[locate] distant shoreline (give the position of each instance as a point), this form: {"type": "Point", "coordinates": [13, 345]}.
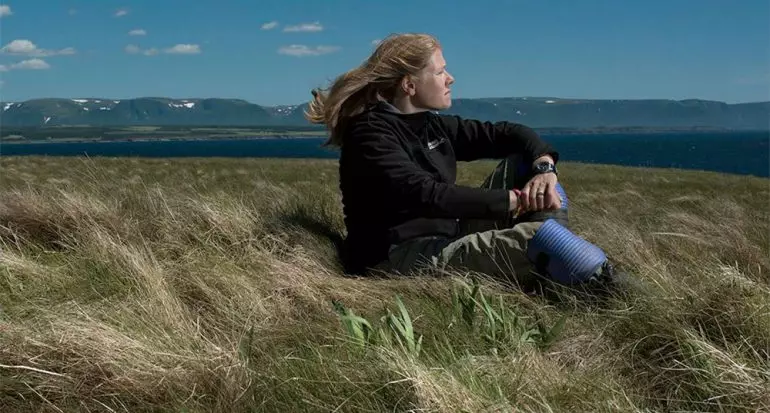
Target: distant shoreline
{"type": "Point", "coordinates": [157, 139]}
{"type": "Point", "coordinates": [153, 136]}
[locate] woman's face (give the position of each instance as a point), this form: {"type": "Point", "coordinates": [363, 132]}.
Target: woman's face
{"type": "Point", "coordinates": [430, 89]}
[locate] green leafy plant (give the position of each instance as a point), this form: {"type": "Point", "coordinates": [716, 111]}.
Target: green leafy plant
{"type": "Point", "coordinates": [501, 325]}
{"type": "Point", "coordinates": [358, 328]}
{"type": "Point", "coordinates": [401, 326]}
{"type": "Point", "coordinates": [398, 328]}
{"type": "Point", "coordinates": [464, 301]}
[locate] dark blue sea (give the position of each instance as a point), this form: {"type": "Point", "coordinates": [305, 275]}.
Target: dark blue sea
{"type": "Point", "coordinates": [746, 153]}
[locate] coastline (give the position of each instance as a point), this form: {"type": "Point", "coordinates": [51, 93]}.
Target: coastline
{"type": "Point", "coordinates": [153, 139]}
{"type": "Point", "coordinates": [262, 135]}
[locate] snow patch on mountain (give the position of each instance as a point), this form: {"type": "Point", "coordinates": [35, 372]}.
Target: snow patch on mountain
{"type": "Point", "coordinates": [188, 105]}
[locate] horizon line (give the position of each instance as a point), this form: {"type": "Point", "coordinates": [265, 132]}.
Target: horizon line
{"type": "Point", "coordinates": [523, 97]}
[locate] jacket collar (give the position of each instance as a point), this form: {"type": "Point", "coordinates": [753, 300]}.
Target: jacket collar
{"type": "Point", "coordinates": [419, 122]}
{"type": "Point", "coordinates": [416, 121]}
{"type": "Point", "coordinates": [389, 107]}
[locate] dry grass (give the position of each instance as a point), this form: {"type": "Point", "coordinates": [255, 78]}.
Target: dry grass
{"type": "Point", "coordinates": [200, 285]}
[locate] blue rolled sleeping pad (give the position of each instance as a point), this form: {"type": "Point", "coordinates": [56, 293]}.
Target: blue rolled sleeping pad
{"type": "Point", "coordinates": [563, 194]}
{"type": "Point", "coordinates": [565, 257]}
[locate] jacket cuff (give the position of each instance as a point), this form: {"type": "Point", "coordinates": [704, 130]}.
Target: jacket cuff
{"type": "Point", "coordinates": [500, 203]}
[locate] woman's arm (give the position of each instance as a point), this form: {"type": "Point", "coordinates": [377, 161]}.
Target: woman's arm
{"type": "Point", "coordinates": [385, 163]}
{"type": "Point", "coordinates": [473, 139]}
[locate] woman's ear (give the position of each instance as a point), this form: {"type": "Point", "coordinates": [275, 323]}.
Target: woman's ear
{"type": "Point", "coordinates": [407, 85]}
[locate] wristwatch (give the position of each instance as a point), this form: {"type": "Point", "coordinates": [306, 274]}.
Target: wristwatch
{"type": "Point", "coordinates": [544, 167]}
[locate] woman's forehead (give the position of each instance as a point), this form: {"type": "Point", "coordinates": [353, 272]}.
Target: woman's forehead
{"type": "Point", "coordinates": [437, 60]}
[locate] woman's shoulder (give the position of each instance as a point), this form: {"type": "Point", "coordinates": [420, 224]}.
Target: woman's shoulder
{"type": "Point", "coordinates": [370, 124]}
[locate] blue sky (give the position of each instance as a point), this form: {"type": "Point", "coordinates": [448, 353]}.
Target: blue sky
{"type": "Point", "coordinates": [673, 49]}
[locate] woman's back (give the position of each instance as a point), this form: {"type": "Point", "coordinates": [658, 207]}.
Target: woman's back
{"type": "Point", "coordinates": [380, 146]}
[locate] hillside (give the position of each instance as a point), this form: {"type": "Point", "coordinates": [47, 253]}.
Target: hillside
{"type": "Point", "coordinates": [534, 111]}
{"type": "Point", "coordinates": [209, 285]}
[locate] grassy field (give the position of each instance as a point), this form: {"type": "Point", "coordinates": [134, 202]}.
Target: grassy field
{"type": "Point", "coordinates": [212, 285]}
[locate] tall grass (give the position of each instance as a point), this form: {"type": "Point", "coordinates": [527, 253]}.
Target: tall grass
{"type": "Point", "coordinates": [213, 285]}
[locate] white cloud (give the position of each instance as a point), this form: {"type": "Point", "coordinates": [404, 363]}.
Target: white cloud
{"type": "Point", "coordinates": [134, 49]}
{"type": "Point", "coordinates": [20, 46]}
{"type": "Point", "coordinates": [5, 10]}
{"type": "Point", "coordinates": [137, 32]}
{"type": "Point", "coordinates": [25, 47]}
{"type": "Point", "coordinates": [31, 64]}
{"type": "Point", "coordinates": [121, 13]}
{"type": "Point", "coordinates": [176, 49]}
{"type": "Point", "coordinates": [270, 25]}
{"type": "Point", "coordinates": [301, 50]}
{"type": "Point", "coordinates": [304, 27]}
{"type": "Point", "coordinates": [184, 49]}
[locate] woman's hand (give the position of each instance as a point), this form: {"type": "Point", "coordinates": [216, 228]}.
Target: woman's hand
{"type": "Point", "coordinates": [540, 193]}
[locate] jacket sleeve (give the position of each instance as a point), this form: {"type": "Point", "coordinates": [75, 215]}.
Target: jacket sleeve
{"type": "Point", "coordinates": [473, 139]}
{"type": "Point", "coordinates": [407, 187]}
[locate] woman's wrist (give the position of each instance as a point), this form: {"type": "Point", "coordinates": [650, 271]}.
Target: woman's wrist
{"type": "Point", "coordinates": [513, 198]}
{"type": "Point", "coordinates": [544, 157]}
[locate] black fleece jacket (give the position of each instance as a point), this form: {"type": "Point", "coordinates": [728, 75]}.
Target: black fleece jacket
{"type": "Point", "coordinates": [398, 172]}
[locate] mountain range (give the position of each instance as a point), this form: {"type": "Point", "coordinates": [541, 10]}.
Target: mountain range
{"type": "Point", "coordinates": [541, 112]}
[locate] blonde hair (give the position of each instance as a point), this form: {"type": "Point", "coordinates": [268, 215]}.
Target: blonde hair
{"type": "Point", "coordinates": [375, 79]}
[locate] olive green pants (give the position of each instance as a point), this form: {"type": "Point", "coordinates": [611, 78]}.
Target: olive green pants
{"type": "Point", "coordinates": [493, 247]}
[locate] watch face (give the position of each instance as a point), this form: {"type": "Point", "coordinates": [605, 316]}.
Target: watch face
{"type": "Point", "coordinates": [545, 167]}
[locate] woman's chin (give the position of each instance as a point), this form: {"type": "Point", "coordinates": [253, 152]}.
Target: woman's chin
{"type": "Point", "coordinates": [442, 104]}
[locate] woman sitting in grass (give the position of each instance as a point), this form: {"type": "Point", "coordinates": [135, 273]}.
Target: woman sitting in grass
{"type": "Point", "coordinates": [404, 211]}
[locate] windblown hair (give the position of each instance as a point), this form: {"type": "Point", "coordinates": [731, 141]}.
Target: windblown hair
{"type": "Point", "coordinates": [376, 79]}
